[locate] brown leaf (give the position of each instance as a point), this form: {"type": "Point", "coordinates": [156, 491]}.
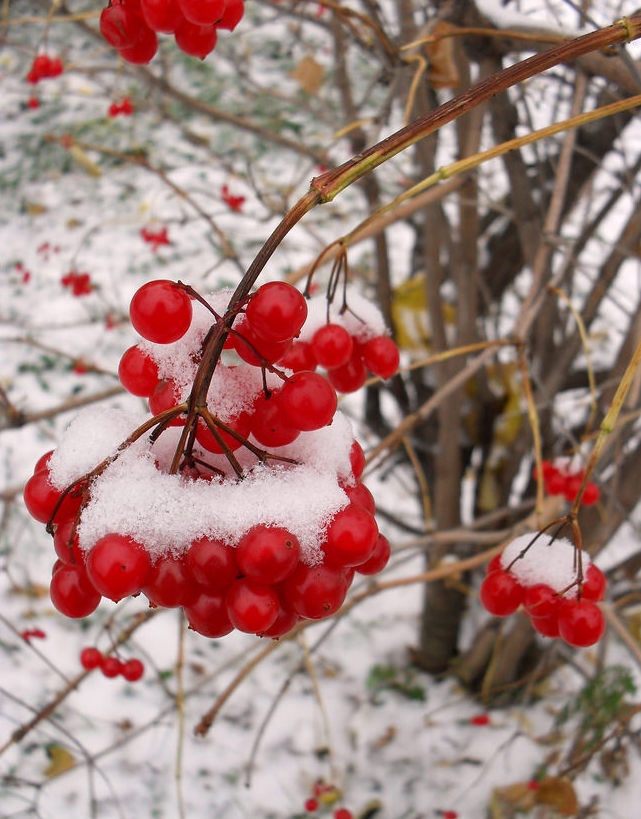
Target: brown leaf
{"type": "Point", "coordinates": [518, 796]}
{"type": "Point", "coordinates": [61, 760]}
{"type": "Point", "coordinates": [309, 75]}
{"type": "Point", "coordinates": [34, 208]}
{"type": "Point", "coordinates": [558, 793]}
{"type": "Point", "coordinates": [443, 71]}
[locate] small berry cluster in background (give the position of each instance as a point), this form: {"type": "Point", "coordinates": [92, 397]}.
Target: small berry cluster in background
{"type": "Point", "coordinates": [30, 633]}
{"type": "Point", "coordinates": [132, 670]}
{"type": "Point", "coordinates": [79, 283]}
{"type": "Point", "coordinates": [123, 108]}
{"type": "Point", "coordinates": [561, 479]}
{"type": "Point", "coordinates": [239, 537]}
{"type": "Point", "coordinates": [539, 573]}
{"type": "Point", "coordinates": [132, 26]}
{"type": "Point", "coordinates": [155, 238]}
{"type": "Point", "coordinates": [44, 67]}
{"type": "Point", "coordinates": [234, 203]}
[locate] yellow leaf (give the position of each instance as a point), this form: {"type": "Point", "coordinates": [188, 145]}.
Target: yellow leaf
{"type": "Point", "coordinates": [558, 793]}
{"type": "Point", "coordinates": [61, 760]}
{"type": "Point", "coordinates": [519, 796]}
{"type": "Point", "coordinates": [309, 75]}
{"type": "Point", "coordinates": [85, 162]}
{"type": "Point", "coordinates": [443, 71]}
{"type": "Point", "coordinates": [34, 208]}
{"type": "Point", "coordinates": [410, 315]}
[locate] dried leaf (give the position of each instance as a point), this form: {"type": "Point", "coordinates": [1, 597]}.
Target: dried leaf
{"type": "Point", "coordinates": [85, 162]}
{"type": "Point", "coordinates": [558, 793]}
{"type": "Point", "coordinates": [33, 591]}
{"type": "Point", "coordinates": [385, 738]}
{"type": "Point", "coordinates": [443, 71]}
{"type": "Point", "coordinates": [34, 208]}
{"type": "Point", "coordinates": [309, 75]}
{"type": "Point", "coordinates": [61, 760]}
{"type": "Point", "coordinates": [518, 796]}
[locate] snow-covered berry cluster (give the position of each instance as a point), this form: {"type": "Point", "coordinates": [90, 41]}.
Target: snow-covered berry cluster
{"type": "Point", "coordinates": [540, 573]}
{"type": "Point", "coordinates": [561, 478]}
{"type": "Point", "coordinates": [132, 26]}
{"type": "Point", "coordinates": [191, 509]}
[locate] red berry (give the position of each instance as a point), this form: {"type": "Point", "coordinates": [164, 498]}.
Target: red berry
{"type": "Point", "coordinates": [361, 496]}
{"type": "Point", "coordinates": [277, 311]}
{"type": "Point", "coordinates": [591, 494]}
{"type": "Point", "coordinates": [350, 377]}
{"type": "Point", "coordinates": [33, 103]}
{"type": "Point", "coordinates": [72, 593]}
{"type": "Point", "coordinates": [240, 424]}
{"type": "Point", "coordinates": [581, 622]}
{"type": "Point", "coordinates": [342, 813]}
{"type": "Point", "coordinates": [233, 14]}
{"type": "Point", "coordinates": [254, 349]}
{"type": "Point", "coordinates": [162, 15]}
{"type": "Point", "coordinates": [164, 397]}
{"type": "Point", "coordinates": [90, 658]}
{"type": "Point", "coordinates": [119, 25]}
{"type": "Point", "coordinates": [494, 565]}
{"type": "Point", "coordinates": [316, 591]}
{"type": "Point", "coordinates": [41, 497]}
{"type": "Point", "coordinates": [381, 356]}
{"type": "Point", "coordinates": [351, 537]}
{"type": "Point", "coordinates": [311, 805]}
{"type": "Point", "coordinates": [285, 621]}
{"type": "Point", "coordinates": [480, 719]}
{"type": "Point", "coordinates": [572, 486]}
{"type": "Point", "coordinates": [212, 563]}
{"type": "Point", "coordinates": [540, 601]}
{"type": "Point", "coordinates": [547, 626]}
{"type": "Point", "coordinates": [202, 12]}
{"type": "Point", "coordinates": [268, 554]}
{"type": "Point", "coordinates": [138, 373]}
{"type": "Point", "coordinates": [67, 548]}
{"type": "Point", "coordinates": [170, 584]}
{"type": "Point", "coordinates": [197, 41]}
{"type": "Point", "coordinates": [208, 616]}
{"type": "Point", "coordinates": [308, 401]}
{"type": "Point", "coordinates": [252, 607]}
{"type": "Point", "coordinates": [111, 667]}
{"type": "Point", "coordinates": [594, 584]}
{"type": "Point", "coordinates": [357, 459]}
{"type": "Point", "coordinates": [300, 356]}
{"type": "Point", "coordinates": [555, 483]}
{"type": "Point", "coordinates": [118, 566]}
{"type": "Point", "coordinates": [143, 50]}
{"type": "Point", "coordinates": [332, 346]}
{"type": "Point", "coordinates": [160, 311]}
{"type": "Point", "coordinates": [43, 461]}
{"type": "Point", "coordinates": [132, 670]}
{"type": "Point", "coordinates": [379, 558]}
{"type": "Point", "coordinates": [501, 593]}
{"type": "Point", "coordinates": [269, 426]}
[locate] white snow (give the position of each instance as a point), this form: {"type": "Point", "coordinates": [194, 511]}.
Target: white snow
{"type": "Point", "coordinates": [548, 561]}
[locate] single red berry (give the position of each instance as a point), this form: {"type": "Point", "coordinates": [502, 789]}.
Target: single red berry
{"type": "Point", "coordinates": [164, 397]}
{"type": "Point", "coordinates": [316, 591]}
{"type": "Point", "coordinates": [332, 346]}
{"type": "Point", "coordinates": [66, 543]}
{"type": "Point", "coordinates": [212, 563]}
{"type": "Point", "coordinates": [357, 459]}
{"type": "Point", "coordinates": [41, 497]}
{"type": "Point", "coordinates": [90, 658]}
{"type": "Point", "coordinates": [170, 583]}
{"type": "Point", "coordinates": [197, 41]}
{"type": "Point", "coordinates": [33, 103]}
{"type": "Point", "coordinates": [547, 626]}
{"type": "Point", "coordinates": [269, 426]}
{"type": "Point", "coordinates": [300, 356]}
{"type": "Point", "coordinates": [350, 377]}
{"type": "Point", "coordinates": [118, 566]}
{"type": "Point", "coordinates": [572, 486]}
{"type": "Point", "coordinates": [160, 311]}
{"type": "Point", "coordinates": [144, 48]}
{"type": "Point", "coordinates": [381, 356]}
{"type": "Point", "coordinates": [267, 554]}
{"type": "Point", "coordinates": [342, 813]}
{"type": "Point", "coordinates": [254, 349]}
{"type": "Point", "coordinates": [351, 537]}
{"type": "Point", "coordinates": [119, 25]}
{"type": "Point", "coordinates": [594, 584]}
{"type": "Point", "coordinates": [379, 558]}
{"type": "Point", "coordinates": [72, 593]}
{"type": "Point", "coordinates": [162, 15]}
{"type": "Point", "coordinates": [555, 483]}
{"type": "Point", "coordinates": [581, 622]}
{"type": "Point", "coordinates": [252, 607]}
{"type": "Point", "coordinates": [480, 719]}
{"type": "Point", "coordinates": [591, 494]}
{"type": "Point", "coordinates": [241, 424]}
{"type": "Point", "coordinates": [277, 310]}
{"type": "Point", "coordinates": [311, 805]}
{"type": "Point", "coordinates": [43, 461]}
{"type": "Point", "coordinates": [494, 565]}
{"type": "Point", "coordinates": [132, 670]}
{"type": "Point", "coordinates": [111, 666]}
{"type": "Point", "coordinates": [308, 401]}
{"type": "Point", "coordinates": [285, 621]}
{"type": "Point", "coordinates": [233, 14]}
{"type": "Point", "coordinates": [449, 814]}
{"type": "Point", "coordinates": [541, 601]}
{"type": "Point", "coordinates": [501, 593]}
{"type": "Point", "coordinates": [138, 372]}
{"type": "Point", "coordinates": [202, 12]}
{"type": "Point", "coordinates": [208, 615]}
{"type": "Point", "coordinates": [360, 495]}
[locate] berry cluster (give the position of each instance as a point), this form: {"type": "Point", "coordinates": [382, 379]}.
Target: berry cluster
{"type": "Point", "coordinates": [155, 238]}
{"type": "Point", "coordinates": [234, 203]}
{"type": "Point", "coordinates": [539, 574]}
{"type": "Point", "coordinates": [123, 108]}
{"type": "Point", "coordinates": [43, 68]}
{"type": "Point", "coordinates": [29, 633]}
{"type": "Point", "coordinates": [78, 283]}
{"type": "Point", "coordinates": [132, 26]}
{"type": "Point", "coordinates": [132, 670]}
{"type": "Point", "coordinates": [561, 479]}
{"type": "Point", "coordinates": [257, 554]}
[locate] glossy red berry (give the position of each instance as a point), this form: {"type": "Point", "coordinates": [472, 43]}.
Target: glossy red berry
{"type": "Point", "coordinates": [360, 495]}
{"type": "Point", "coordinates": [351, 537]}
{"type": "Point", "coordinates": [591, 494]}
{"type": "Point", "coordinates": [160, 311]}
{"type": "Point", "coordinates": [40, 496]}
{"type": "Point", "coordinates": [357, 459]}
{"type": "Point", "coordinates": [269, 426]}
{"type": "Point", "coordinates": [379, 558]}
{"type": "Point", "coordinates": [540, 601]}
{"type": "Point", "coordinates": [43, 461]}
{"type": "Point", "coordinates": [132, 670]}
{"type": "Point", "coordinates": [212, 563]}
{"type": "Point", "coordinates": [67, 547]}
{"type": "Point", "coordinates": [138, 373]}
{"type": "Point", "coordinates": [72, 593]}
{"type": "Point", "coordinates": [311, 805]}
{"type": "Point", "coordinates": [118, 566]}
{"type": "Point", "coordinates": [268, 554]}
{"type": "Point", "coordinates": [233, 14]}
{"type": "Point", "coordinates": [581, 623]}
{"type": "Point", "coordinates": [501, 593]}
{"type": "Point", "coordinates": [241, 424]}
{"type": "Point", "coordinates": [332, 346]}
{"type": "Point", "coordinates": [164, 397]}
{"type": "Point", "coordinates": [202, 12]}
{"type": "Point", "coordinates": [300, 356]}
{"type": "Point", "coordinates": [381, 356]}
{"type": "Point", "coordinates": [143, 50]}
{"type": "Point", "coordinates": [350, 377]}
{"type": "Point", "coordinates": [111, 667]}
{"type": "Point", "coordinates": [308, 401]}
{"type": "Point", "coordinates": [316, 591]}
{"type": "Point", "coordinates": [252, 607]}
{"type": "Point", "coordinates": [254, 349]}
{"type": "Point", "coordinates": [208, 615]}
{"type": "Point", "coordinates": [277, 311]}
{"type": "Point", "coordinates": [342, 813]}
{"type": "Point", "coordinates": [170, 584]}
{"type": "Point", "coordinates": [195, 40]}
{"type": "Point", "coordinates": [162, 15]}
{"type": "Point", "coordinates": [90, 658]}
{"type": "Point", "coordinates": [546, 626]}
{"type": "Point", "coordinates": [119, 25]}
{"type": "Point", "coordinates": [594, 584]}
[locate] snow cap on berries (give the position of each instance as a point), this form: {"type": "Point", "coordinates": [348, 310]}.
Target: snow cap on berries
{"type": "Point", "coordinates": [552, 562]}
{"type": "Point", "coordinates": [362, 319]}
